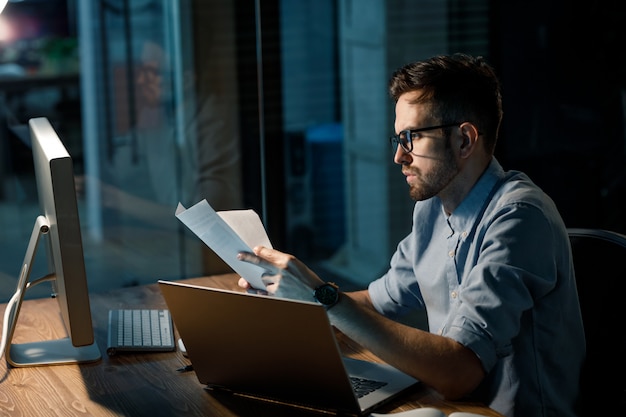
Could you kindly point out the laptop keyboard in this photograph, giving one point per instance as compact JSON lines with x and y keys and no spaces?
{"x":140,"y":330}
{"x":364,"y":386}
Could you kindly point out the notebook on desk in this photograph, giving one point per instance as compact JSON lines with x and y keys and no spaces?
{"x":275,"y":349}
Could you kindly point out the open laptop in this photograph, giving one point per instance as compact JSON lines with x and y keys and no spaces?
{"x":273,"y":348}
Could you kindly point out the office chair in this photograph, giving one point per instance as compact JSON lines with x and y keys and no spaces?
{"x":599,"y":264}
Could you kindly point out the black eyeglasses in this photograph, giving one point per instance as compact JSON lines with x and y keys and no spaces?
{"x":405,"y":137}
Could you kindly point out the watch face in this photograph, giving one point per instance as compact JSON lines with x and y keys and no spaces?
{"x":326,"y":294}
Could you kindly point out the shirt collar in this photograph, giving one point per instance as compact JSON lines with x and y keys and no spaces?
{"x":466,"y":214}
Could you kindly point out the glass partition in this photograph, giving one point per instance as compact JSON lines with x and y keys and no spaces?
{"x":280,"y":106}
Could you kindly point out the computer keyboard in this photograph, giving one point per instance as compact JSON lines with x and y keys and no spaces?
{"x":364,"y":386}
{"x":147,"y":330}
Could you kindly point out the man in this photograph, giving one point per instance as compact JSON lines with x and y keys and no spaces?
{"x":488,"y":258}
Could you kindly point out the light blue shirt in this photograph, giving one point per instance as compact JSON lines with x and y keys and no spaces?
{"x":496,"y":276}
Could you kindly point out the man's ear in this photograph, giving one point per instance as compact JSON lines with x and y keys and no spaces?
{"x":470,"y":135}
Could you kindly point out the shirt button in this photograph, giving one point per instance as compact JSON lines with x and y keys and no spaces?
{"x":453,"y":294}
{"x":440,"y":332}
{"x":464,"y":234}
{"x":451,"y":254}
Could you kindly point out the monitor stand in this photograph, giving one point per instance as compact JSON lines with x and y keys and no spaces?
{"x":45,"y":352}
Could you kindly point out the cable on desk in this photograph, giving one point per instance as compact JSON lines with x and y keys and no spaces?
{"x":8,"y":314}
{"x":9,"y":310}
{"x":185,"y":368}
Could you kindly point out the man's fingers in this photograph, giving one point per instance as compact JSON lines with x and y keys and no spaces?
{"x":274,"y":257}
{"x":257,"y":260}
{"x":243,"y":283}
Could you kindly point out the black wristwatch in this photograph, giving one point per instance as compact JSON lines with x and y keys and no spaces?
{"x":327,"y":294}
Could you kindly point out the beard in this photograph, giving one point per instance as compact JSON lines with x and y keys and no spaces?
{"x":430,"y":184}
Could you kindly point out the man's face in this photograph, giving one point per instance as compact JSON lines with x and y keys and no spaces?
{"x":149,"y":82}
{"x":150,"y":74}
{"x":431,"y":165}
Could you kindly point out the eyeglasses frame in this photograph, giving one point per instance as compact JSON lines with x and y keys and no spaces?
{"x":395,"y":140}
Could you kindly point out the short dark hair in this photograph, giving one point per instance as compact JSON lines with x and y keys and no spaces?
{"x":456,"y":88}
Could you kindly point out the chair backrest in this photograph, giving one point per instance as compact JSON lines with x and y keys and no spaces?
{"x":600,"y":267}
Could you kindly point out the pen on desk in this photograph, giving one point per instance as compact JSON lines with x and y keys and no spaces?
{"x":185,"y":368}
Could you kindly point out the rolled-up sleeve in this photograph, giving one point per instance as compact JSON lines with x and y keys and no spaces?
{"x":510,"y":263}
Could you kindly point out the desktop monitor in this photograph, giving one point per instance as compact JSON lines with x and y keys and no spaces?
{"x":58,"y":226}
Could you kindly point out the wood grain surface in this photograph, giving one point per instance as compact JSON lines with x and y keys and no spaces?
{"x":146,"y":384}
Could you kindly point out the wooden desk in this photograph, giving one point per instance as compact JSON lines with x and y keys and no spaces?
{"x":146,"y":384}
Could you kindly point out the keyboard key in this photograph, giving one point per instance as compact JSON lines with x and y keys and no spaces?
{"x":364,"y":386}
{"x":140,"y":330}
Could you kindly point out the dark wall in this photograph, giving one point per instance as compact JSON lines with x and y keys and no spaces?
{"x":563,"y":75}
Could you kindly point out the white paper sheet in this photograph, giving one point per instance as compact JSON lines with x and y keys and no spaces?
{"x":227,"y":233}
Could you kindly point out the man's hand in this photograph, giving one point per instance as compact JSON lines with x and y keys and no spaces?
{"x":286,"y":276}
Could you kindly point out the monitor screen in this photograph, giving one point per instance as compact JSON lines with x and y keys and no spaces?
{"x":58,"y":226}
